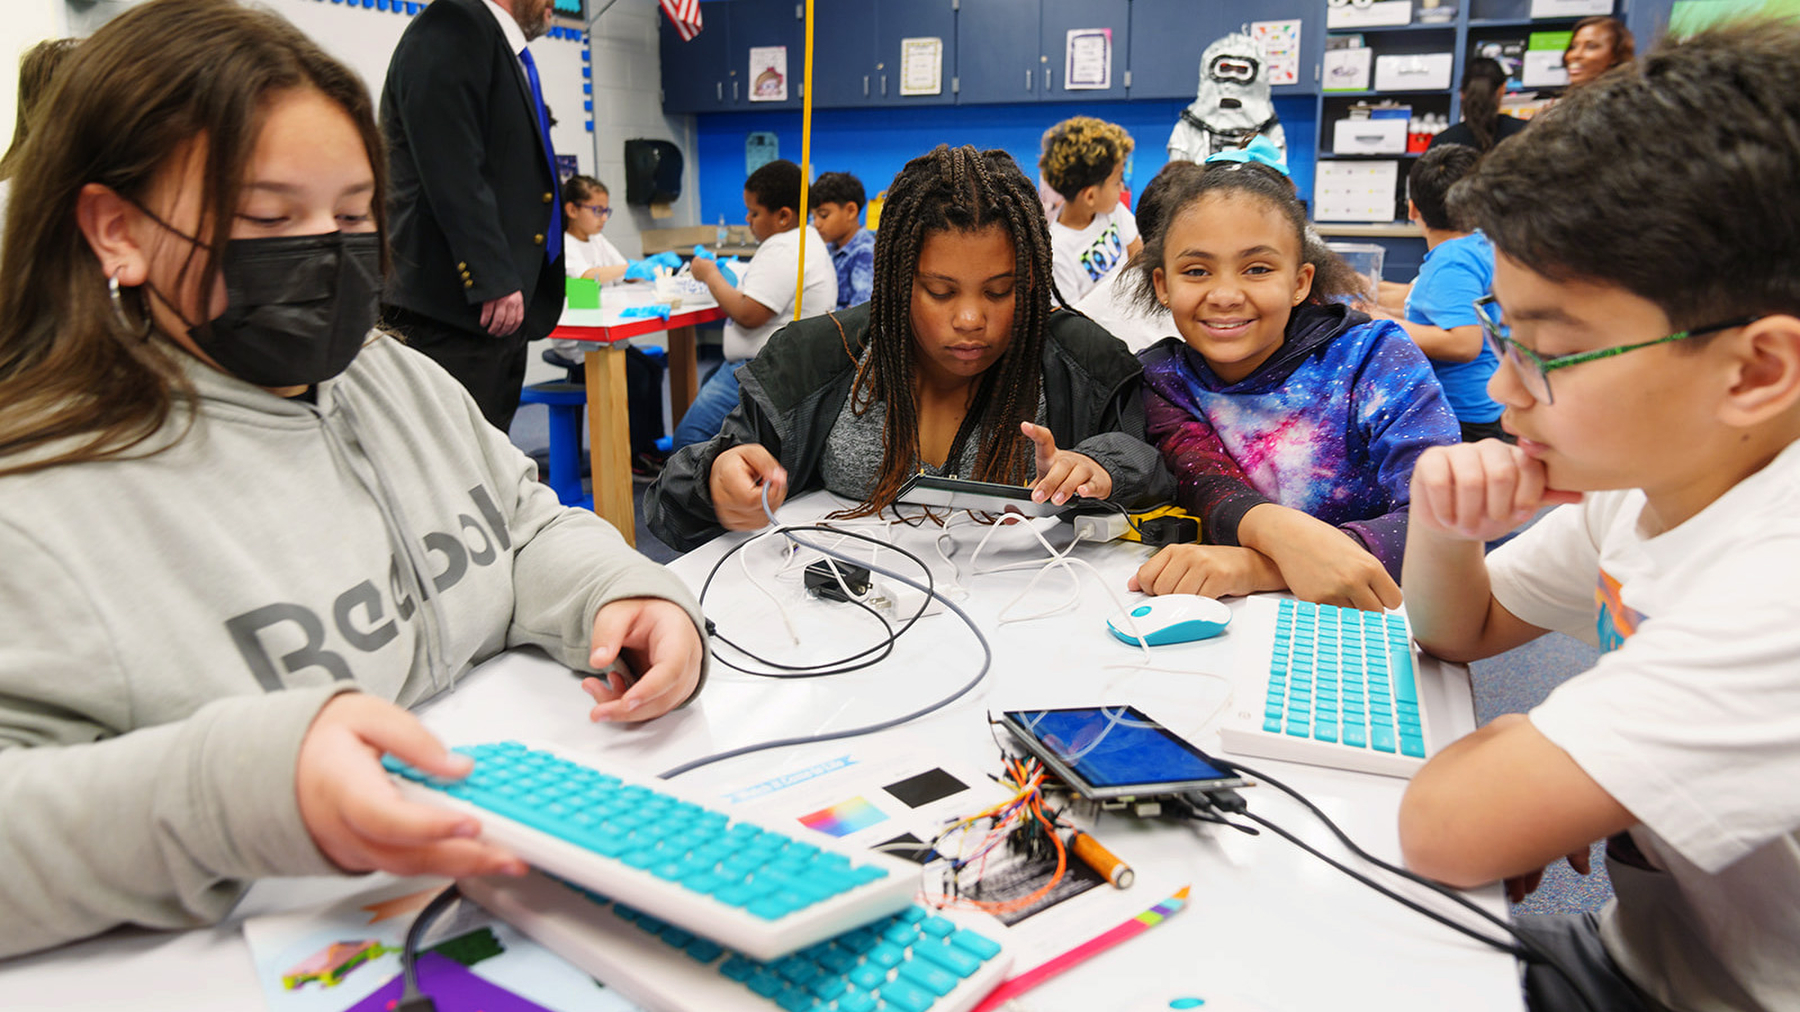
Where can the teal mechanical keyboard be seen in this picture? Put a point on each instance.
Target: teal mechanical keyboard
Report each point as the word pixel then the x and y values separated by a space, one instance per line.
pixel 1332 687
pixel 749 886
pixel 912 961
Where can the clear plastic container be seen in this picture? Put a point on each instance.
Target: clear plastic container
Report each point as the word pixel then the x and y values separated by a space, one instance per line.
pixel 1365 258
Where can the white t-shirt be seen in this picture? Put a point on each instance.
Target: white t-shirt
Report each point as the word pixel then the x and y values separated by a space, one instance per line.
pixel 1113 305
pixel 583 255
pixel 1691 720
pixel 769 279
pixel 579 257
pixel 1083 256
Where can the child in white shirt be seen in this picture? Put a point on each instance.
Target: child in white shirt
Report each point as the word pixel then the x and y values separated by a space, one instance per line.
pixel 586 253
pixel 1657 395
pixel 1092 233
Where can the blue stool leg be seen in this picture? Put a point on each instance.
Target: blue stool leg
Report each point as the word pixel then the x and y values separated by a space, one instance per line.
pixel 565 453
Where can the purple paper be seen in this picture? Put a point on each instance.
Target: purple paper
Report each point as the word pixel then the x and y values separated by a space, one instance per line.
pixel 453 986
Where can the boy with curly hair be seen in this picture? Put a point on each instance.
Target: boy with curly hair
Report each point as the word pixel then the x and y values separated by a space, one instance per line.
pixel 1093 233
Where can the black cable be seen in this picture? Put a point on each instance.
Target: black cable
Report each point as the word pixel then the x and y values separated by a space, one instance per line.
pixel 930 592
pixel 1130 520
pixel 843 665
pixel 411 998
pixel 1527 949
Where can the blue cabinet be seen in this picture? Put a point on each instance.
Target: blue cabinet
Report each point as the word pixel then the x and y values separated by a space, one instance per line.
pixel 695 73
pixel 1168 36
pixel 857 51
pixel 896 20
pixel 997 54
pixel 1014 50
pixel 758 23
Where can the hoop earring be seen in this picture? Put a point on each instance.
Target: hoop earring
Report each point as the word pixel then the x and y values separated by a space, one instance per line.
pixel 140 330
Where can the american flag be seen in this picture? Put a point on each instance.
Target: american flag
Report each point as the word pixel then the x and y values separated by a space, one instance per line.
pixel 685 16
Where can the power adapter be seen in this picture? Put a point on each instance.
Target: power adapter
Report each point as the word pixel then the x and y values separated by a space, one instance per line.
pixel 822 582
pixel 1169 530
pixel 1100 526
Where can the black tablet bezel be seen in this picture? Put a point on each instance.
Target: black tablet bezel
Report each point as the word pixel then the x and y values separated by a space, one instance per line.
pixel 1010 719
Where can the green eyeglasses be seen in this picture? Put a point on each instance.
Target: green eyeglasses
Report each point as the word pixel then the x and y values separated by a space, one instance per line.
pixel 1534 370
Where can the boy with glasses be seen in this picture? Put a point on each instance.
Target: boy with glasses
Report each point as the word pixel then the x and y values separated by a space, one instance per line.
pixel 1650 366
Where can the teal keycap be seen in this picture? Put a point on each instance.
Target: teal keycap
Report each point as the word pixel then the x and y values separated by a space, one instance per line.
pixel 738 968
pixel 1381 739
pixel 703 950
pixel 935 979
pixel 827 987
pixel 765 983
pixel 795 1000
pixel 1355 736
pixel 886 955
pixel 948 957
pixel 856 1001
pixel 868 976
pixel 906 996
pixel 981 946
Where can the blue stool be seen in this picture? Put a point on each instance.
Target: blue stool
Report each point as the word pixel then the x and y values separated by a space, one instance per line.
pixel 566 402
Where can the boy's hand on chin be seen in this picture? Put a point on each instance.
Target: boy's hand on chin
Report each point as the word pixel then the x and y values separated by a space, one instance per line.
pixel 1479 491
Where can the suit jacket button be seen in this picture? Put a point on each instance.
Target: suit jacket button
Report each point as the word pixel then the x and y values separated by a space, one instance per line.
pixel 468 284
pixel 462 267
pixel 539 239
pixel 548 197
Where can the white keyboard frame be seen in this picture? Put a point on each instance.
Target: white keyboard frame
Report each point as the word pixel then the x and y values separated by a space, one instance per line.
pixel 732 927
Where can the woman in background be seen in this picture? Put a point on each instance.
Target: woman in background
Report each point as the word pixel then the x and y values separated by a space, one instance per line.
pixel 1598 45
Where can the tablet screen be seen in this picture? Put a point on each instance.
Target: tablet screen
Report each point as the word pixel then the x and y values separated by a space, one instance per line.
pixel 1111 749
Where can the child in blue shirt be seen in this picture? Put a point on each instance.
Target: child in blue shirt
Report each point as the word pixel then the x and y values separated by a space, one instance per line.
pixel 837 201
pixel 1440 309
pixel 1291 423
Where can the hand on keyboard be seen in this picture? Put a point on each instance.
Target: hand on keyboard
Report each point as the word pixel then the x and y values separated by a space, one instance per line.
pixel 656 640
pixel 355 813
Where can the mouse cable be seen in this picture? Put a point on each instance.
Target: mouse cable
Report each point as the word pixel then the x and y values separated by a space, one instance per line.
pixel 412 999
pixel 1526 949
pixel 1130 521
pixel 843 665
pixel 1504 946
pixel 987 656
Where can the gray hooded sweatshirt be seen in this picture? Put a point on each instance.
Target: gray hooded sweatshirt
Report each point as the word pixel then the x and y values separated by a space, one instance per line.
pixel 171 624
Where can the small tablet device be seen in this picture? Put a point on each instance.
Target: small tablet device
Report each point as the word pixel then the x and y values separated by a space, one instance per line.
pixel 981 496
pixel 1115 752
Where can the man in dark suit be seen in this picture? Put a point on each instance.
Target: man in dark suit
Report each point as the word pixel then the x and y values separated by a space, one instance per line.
pixel 473 211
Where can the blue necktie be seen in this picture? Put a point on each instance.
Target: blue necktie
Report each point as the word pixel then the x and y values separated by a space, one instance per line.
pixel 552 239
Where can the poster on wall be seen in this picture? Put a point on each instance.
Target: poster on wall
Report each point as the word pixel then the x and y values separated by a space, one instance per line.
pixel 1281 44
pixel 922 66
pixel 768 74
pixel 1088 59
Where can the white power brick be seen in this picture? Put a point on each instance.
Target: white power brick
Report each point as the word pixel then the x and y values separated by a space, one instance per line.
pixel 897 602
pixel 1100 527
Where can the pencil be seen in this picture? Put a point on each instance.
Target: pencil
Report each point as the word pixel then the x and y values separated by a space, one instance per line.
pixel 1085 951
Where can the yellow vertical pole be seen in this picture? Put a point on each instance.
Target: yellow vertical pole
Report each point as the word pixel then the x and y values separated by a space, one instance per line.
pixel 805 154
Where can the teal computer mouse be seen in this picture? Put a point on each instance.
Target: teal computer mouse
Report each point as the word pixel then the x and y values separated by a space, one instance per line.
pixel 1171 618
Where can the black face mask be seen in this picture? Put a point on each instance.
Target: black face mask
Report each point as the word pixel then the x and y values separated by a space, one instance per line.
pixel 298 308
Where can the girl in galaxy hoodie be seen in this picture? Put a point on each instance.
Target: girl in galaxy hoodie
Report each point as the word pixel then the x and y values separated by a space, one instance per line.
pixel 1291 423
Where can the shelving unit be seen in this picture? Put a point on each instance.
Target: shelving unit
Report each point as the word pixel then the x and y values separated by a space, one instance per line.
pixel 1475 19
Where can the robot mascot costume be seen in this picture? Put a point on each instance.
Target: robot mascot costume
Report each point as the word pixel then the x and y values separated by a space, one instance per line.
pixel 1232 105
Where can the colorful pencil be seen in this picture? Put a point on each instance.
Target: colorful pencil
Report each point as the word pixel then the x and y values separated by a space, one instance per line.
pixel 1085 951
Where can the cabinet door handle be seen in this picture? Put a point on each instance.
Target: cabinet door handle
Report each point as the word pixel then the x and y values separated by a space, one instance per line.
pixel 884 86
pixel 1046 80
pixel 734 91
pixel 719 86
pixel 1027 79
pixel 865 86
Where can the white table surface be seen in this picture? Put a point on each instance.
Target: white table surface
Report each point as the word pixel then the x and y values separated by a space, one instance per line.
pixel 1265 920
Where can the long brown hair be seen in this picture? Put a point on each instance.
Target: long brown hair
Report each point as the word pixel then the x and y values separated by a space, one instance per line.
pixel 1481 83
pixel 137 93
pixel 37 68
pixel 955 190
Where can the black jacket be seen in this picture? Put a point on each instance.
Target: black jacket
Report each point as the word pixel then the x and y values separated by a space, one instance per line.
pixel 791 395
pixel 470 189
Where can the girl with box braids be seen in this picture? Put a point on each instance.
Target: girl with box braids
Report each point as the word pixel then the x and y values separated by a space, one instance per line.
pixel 962 364
pixel 955 190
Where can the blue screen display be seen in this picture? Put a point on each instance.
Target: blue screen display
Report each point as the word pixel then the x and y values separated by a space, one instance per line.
pixel 1117 746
